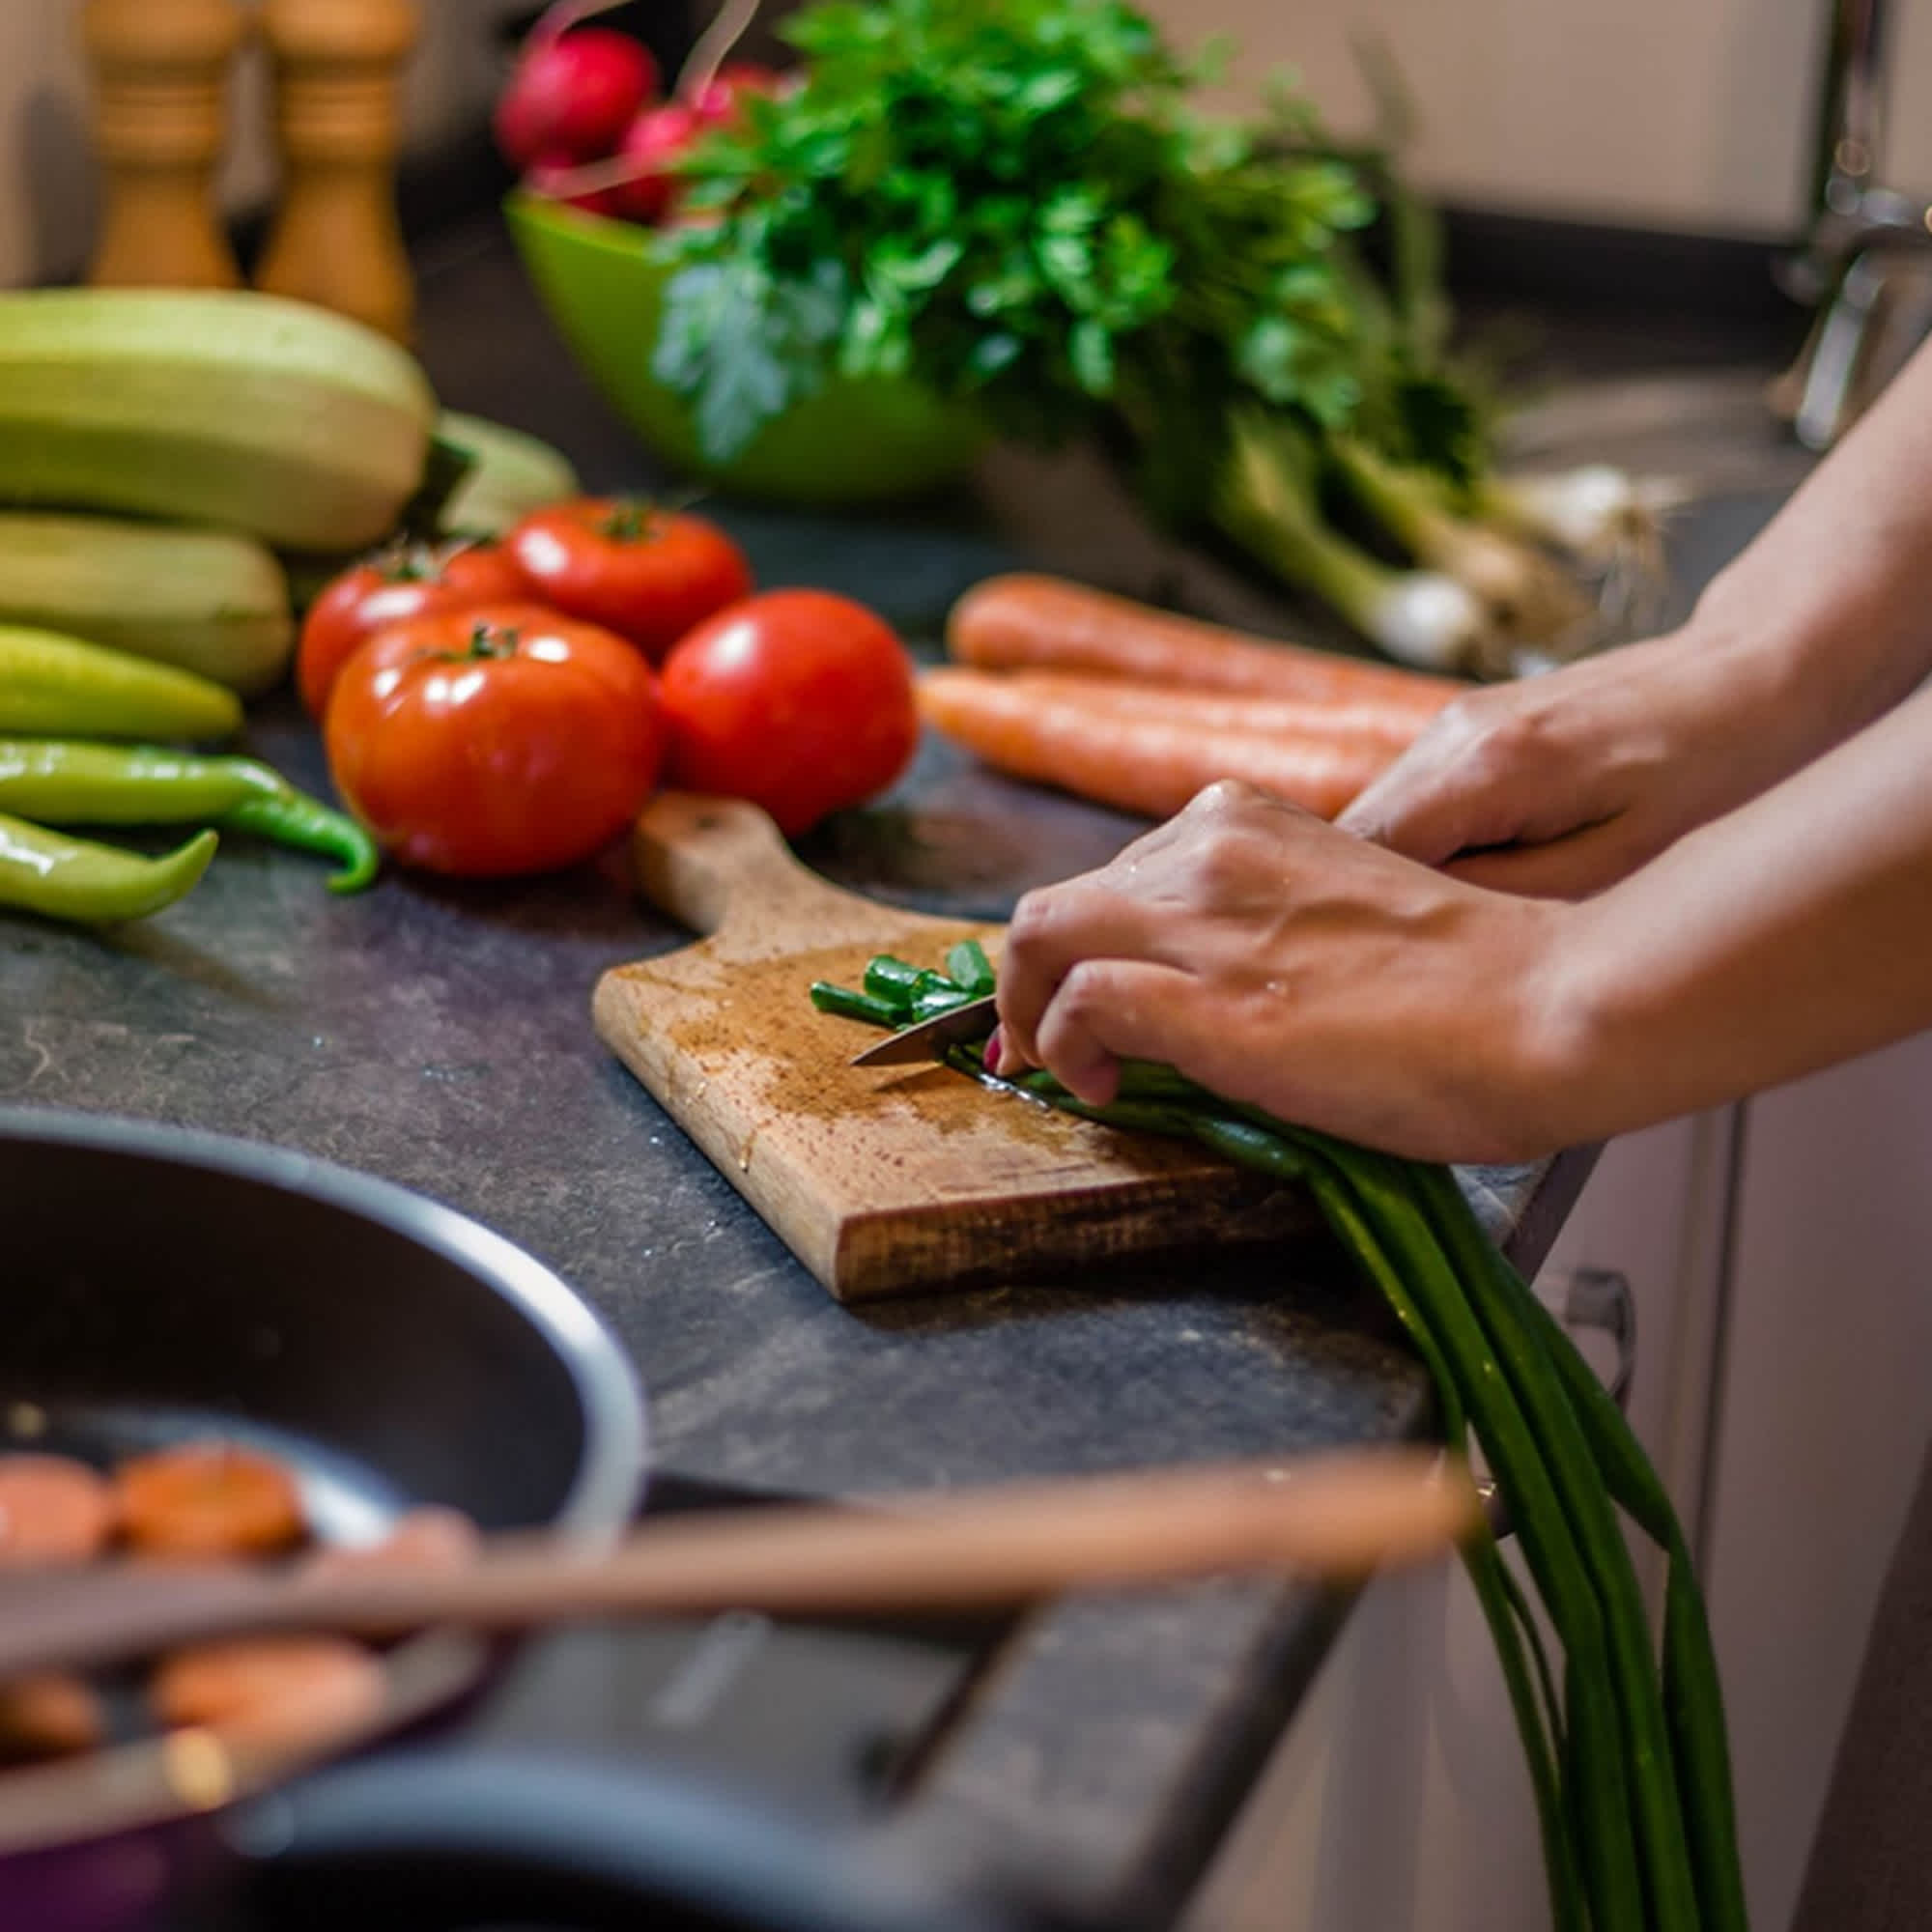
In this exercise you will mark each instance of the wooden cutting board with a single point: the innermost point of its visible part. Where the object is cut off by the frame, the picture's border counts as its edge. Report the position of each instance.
(882, 1180)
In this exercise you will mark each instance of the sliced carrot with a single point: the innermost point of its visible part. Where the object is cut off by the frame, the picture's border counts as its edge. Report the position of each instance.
(1048, 623)
(1145, 764)
(49, 1715)
(1223, 710)
(52, 1509)
(282, 1690)
(208, 1499)
(430, 1538)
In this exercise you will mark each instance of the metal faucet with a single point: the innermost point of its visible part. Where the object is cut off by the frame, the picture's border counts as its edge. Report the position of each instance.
(1864, 263)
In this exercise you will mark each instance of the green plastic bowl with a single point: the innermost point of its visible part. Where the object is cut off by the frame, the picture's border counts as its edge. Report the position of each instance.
(864, 441)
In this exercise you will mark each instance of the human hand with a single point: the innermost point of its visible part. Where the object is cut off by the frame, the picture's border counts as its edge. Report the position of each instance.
(1562, 785)
(1280, 962)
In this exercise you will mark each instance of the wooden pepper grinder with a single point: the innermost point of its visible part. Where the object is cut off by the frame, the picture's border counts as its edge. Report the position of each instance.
(335, 239)
(160, 76)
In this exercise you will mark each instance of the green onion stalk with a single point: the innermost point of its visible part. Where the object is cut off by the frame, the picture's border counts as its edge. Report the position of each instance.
(1592, 513)
(1532, 601)
(1266, 503)
(1623, 1729)
(1610, 523)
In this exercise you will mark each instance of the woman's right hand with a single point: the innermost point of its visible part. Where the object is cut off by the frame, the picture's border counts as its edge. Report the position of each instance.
(1559, 785)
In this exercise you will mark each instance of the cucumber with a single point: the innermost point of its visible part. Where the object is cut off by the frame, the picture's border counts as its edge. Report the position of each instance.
(514, 472)
(210, 601)
(226, 407)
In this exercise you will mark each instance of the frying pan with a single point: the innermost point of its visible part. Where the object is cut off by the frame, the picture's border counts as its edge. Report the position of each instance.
(158, 1284)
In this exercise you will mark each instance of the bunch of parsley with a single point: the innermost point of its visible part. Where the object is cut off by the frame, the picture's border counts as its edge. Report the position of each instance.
(1012, 201)
(1015, 202)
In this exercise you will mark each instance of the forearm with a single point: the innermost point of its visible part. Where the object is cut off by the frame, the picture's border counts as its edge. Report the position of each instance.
(1795, 933)
(1831, 600)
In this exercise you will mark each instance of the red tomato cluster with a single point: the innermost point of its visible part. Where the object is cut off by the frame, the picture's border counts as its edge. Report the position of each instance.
(581, 122)
(506, 708)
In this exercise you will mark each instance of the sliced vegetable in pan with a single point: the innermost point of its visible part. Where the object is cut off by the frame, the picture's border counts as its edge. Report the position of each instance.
(201, 1502)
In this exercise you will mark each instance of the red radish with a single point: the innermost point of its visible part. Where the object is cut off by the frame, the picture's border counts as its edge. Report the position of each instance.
(717, 100)
(656, 140)
(561, 179)
(571, 96)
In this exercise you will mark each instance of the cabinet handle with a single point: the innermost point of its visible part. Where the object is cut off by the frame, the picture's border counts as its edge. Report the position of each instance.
(1587, 1300)
(1599, 1300)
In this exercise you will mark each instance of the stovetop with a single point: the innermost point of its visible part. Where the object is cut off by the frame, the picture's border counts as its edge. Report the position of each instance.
(821, 1723)
(830, 1718)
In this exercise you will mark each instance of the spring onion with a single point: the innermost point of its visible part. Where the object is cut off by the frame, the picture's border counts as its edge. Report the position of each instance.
(1267, 503)
(1530, 599)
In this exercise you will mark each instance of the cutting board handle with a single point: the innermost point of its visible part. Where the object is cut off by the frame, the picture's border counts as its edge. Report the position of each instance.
(712, 862)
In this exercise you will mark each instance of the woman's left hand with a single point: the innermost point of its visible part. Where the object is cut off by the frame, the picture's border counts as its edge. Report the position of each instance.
(1286, 964)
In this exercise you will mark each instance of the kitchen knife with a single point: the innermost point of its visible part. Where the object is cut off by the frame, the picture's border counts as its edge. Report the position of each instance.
(930, 1039)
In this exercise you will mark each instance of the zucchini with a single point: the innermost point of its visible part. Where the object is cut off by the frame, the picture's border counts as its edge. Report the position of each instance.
(220, 406)
(210, 601)
(513, 472)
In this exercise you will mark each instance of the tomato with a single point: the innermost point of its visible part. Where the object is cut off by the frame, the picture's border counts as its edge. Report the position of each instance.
(408, 581)
(499, 740)
(647, 574)
(799, 700)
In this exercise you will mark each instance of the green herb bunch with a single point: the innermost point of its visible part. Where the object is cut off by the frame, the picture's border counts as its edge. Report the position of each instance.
(1013, 200)
(1017, 204)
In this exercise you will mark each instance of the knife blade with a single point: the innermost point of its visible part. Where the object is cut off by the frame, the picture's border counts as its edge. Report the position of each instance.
(930, 1039)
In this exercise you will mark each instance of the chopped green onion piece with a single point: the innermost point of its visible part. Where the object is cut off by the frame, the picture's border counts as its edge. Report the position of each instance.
(968, 966)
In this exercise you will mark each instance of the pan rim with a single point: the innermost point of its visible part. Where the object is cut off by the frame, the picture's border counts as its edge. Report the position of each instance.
(138, 1785)
(611, 1475)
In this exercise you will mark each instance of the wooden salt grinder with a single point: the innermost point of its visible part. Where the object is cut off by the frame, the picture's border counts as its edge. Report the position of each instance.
(335, 239)
(160, 75)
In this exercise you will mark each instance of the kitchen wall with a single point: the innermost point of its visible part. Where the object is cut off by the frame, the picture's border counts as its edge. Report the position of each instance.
(46, 177)
(1693, 114)
(1681, 113)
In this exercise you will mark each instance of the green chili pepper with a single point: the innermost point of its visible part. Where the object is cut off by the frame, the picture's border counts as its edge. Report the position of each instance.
(292, 818)
(47, 873)
(58, 685)
(60, 782)
(68, 782)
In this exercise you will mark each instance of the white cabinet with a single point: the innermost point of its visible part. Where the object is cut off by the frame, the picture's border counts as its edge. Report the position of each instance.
(1398, 1801)
(1825, 1406)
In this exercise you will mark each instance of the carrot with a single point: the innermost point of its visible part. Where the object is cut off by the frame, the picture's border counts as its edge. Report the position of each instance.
(1223, 710)
(1147, 764)
(208, 1499)
(1047, 623)
(281, 1690)
(52, 1509)
(429, 1538)
(49, 1715)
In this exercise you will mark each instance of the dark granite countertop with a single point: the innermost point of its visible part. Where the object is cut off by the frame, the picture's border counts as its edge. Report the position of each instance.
(439, 1034)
